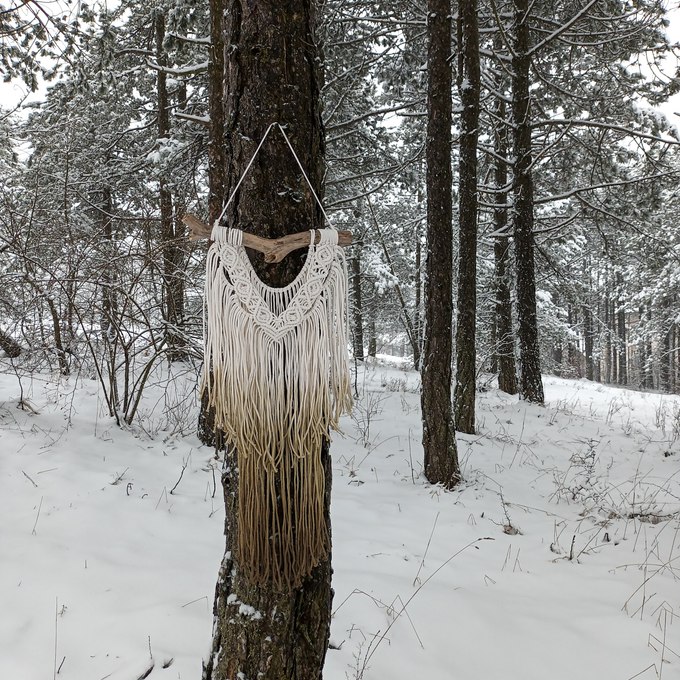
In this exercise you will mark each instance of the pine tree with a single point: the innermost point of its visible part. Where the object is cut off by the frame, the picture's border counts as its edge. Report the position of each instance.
(270, 74)
(466, 326)
(439, 442)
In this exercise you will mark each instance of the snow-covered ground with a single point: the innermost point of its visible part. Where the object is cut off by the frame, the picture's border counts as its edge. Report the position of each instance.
(558, 557)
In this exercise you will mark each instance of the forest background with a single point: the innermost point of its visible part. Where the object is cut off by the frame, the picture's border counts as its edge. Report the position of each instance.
(91, 158)
(566, 230)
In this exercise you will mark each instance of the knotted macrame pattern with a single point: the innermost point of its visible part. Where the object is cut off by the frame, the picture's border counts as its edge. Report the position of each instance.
(276, 374)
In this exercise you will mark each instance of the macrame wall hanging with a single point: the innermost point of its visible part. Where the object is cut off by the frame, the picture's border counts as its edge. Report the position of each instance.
(276, 374)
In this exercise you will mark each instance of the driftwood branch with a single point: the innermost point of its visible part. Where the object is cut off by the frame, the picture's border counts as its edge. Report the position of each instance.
(274, 249)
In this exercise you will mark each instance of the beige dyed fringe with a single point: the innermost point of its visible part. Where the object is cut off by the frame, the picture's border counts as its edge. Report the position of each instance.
(276, 373)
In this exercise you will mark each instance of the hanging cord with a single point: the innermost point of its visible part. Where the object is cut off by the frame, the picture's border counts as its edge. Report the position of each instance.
(250, 162)
(304, 174)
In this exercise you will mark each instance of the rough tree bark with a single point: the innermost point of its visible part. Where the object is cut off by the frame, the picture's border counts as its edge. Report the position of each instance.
(217, 167)
(357, 303)
(613, 341)
(531, 385)
(621, 328)
(418, 290)
(466, 311)
(439, 442)
(171, 241)
(270, 74)
(108, 321)
(505, 344)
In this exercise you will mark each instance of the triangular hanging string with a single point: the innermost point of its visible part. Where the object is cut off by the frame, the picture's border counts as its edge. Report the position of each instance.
(250, 163)
(304, 174)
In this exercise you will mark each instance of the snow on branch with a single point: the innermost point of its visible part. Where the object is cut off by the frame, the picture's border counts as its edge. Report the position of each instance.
(607, 126)
(190, 70)
(201, 120)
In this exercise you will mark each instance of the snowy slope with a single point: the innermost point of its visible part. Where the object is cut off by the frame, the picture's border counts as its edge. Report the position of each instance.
(557, 557)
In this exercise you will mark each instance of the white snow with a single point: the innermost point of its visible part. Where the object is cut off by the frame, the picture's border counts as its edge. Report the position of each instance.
(556, 558)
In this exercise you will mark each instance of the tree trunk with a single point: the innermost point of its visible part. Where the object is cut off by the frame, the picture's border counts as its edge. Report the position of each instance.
(217, 167)
(505, 345)
(357, 306)
(372, 339)
(217, 160)
(649, 350)
(607, 352)
(173, 272)
(109, 316)
(9, 345)
(588, 340)
(665, 362)
(270, 75)
(493, 363)
(418, 286)
(572, 358)
(468, 86)
(597, 335)
(645, 356)
(621, 324)
(671, 358)
(439, 442)
(531, 385)
(558, 358)
(613, 341)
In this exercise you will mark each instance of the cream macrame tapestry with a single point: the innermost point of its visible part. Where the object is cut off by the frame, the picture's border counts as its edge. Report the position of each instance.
(276, 374)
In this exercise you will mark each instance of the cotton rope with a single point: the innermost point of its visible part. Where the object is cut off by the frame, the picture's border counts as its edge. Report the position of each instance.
(276, 373)
(250, 163)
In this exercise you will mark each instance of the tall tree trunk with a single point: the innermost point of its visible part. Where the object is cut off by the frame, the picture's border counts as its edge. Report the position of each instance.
(418, 286)
(588, 322)
(173, 273)
(597, 334)
(217, 159)
(372, 339)
(531, 385)
(357, 303)
(108, 320)
(270, 75)
(217, 168)
(675, 348)
(572, 358)
(649, 351)
(468, 80)
(588, 340)
(505, 345)
(613, 341)
(493, 363)
(439, 442)
(607, 352)
(621, 325)
(665, 360)
(671, 358)
(645, 356)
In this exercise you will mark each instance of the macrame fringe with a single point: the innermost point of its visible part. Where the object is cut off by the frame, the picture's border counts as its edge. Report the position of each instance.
(276, 373)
